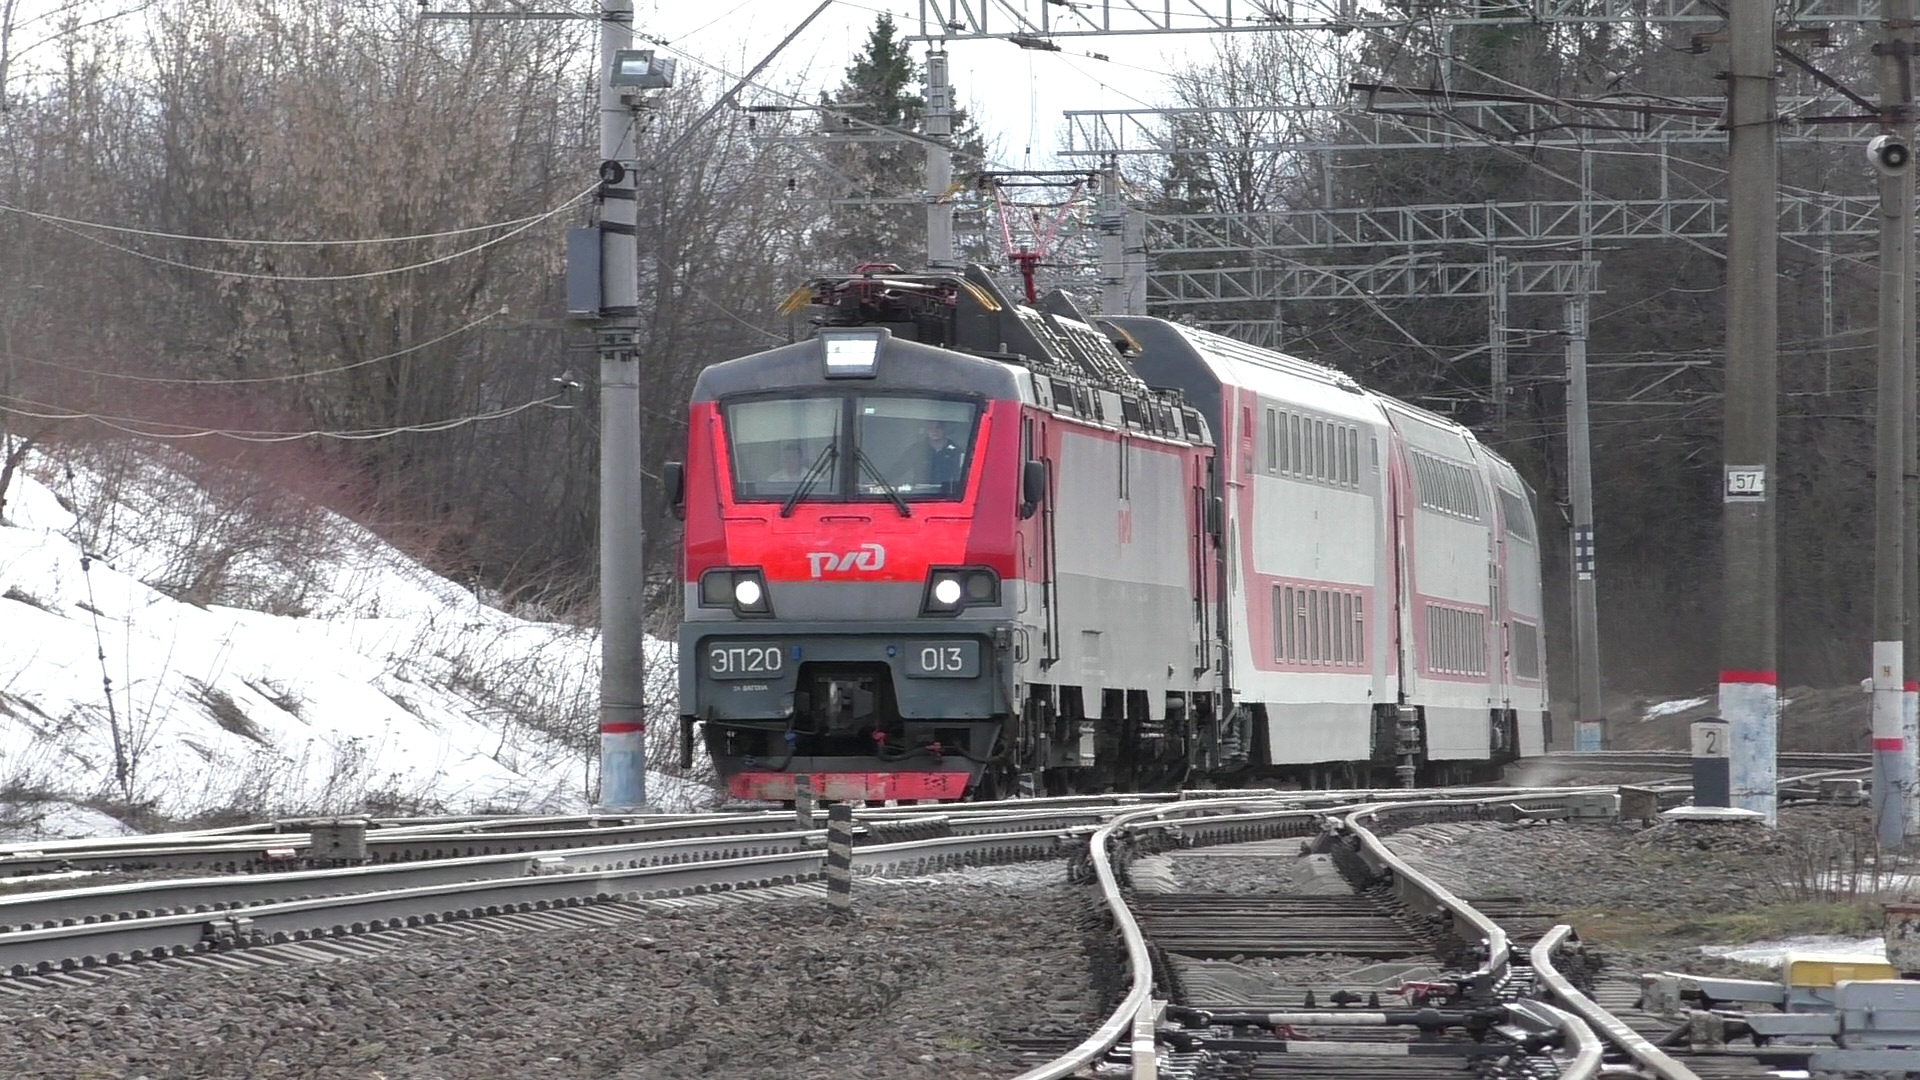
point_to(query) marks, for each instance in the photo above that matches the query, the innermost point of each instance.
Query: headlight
(951, 589)
(746, 592)
(741, 588)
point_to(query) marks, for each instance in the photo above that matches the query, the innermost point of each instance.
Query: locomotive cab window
(918, 446)
(838, 448)
(778, 443)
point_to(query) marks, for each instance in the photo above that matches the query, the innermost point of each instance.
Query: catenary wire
(78, 223)
(290, 377)
(43, 411)
(359, 276)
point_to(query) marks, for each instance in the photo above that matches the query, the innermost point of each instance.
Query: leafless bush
(282, 697)
(226, 711)
(545, 699)
(29, 782)
(1842, 865)
(19, 595)
(203, 533)
(13, 455)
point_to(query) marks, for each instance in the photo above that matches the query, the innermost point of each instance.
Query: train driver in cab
(793, 466)
(940, 464)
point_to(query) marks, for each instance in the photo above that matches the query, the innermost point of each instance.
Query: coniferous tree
(872, 168)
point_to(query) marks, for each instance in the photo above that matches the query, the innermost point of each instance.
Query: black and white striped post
(803, 800)
(840, 859)
(1712, 771)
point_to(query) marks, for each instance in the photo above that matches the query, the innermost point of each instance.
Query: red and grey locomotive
(952, 544)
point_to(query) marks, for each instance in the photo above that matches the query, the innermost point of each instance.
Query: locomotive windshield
(858, 447)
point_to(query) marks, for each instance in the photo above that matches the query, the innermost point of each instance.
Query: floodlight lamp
(641, 69)
(852, 355)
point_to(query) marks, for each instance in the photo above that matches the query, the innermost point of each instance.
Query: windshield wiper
(860, 455)
(814, 472)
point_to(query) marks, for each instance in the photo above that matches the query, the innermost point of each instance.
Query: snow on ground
(355, 679)
(1774, 953)
(1667, 708)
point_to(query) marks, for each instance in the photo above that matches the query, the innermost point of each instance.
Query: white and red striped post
(1750, 703)
(1889, 742)
(1910, 749)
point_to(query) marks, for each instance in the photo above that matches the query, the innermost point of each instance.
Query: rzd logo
(869, 557)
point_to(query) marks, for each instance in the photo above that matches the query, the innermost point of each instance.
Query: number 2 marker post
(1712, 778)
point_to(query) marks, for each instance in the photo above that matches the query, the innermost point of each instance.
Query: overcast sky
(1015, 94)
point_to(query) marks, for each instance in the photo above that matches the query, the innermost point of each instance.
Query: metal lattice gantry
(1303, 232)
(1040, 22)
(1402, 277)
(1383, 121)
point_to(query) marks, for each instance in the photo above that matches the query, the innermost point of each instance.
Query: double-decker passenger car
(951, 542)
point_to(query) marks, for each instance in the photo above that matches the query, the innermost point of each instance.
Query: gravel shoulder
(1646, 897)
(1650, 896)
(927, 981)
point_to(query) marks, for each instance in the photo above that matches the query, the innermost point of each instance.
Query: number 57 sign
(1746, 483)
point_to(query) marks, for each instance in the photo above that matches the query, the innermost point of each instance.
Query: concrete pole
(1110, 221)
(1134, 259)
(1895, 404)
(1497, 337)
(1749, 695)
(1590, 725)
(1901, 17)
(1910, 562)
(938, 117)
(623, 716)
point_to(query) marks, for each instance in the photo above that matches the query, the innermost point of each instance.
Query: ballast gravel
(1612, 879)
(929, 979)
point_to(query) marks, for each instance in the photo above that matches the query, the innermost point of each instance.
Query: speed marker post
(1712, 778)
(840, 859)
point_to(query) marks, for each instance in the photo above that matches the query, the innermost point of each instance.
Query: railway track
(401, 842)
(1662, 760)
(73, 929)
(288, 845)
(1495, 1001)
(1482, 978)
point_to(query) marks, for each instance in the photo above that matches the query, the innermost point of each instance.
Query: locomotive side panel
(1123, 582)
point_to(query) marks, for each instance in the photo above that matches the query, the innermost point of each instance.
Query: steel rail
(401, 846)
(37, 951)
(1231, 819)
(1649, 1056)
(168, 896)
(1120, 1023)
(1588, 1051)
(1412, 886)
(245, 847)
(1624, 759)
